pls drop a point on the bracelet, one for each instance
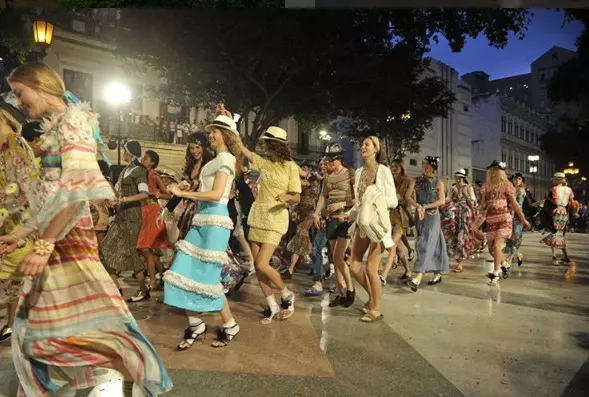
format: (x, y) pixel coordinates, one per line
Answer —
(43, 247)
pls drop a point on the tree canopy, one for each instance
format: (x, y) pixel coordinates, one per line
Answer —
(364, 65)
(172, 3)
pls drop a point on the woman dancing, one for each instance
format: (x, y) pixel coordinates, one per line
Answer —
(562, 200)
(513, 243)
(17, 170)
(119, 251)
(279, 185)
(400, 222)
(497, 192)
(193, 282)
(460, 243)
(374, 172)
(68, 329)
(432, 255)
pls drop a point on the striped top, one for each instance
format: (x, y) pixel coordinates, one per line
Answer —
(339, 187)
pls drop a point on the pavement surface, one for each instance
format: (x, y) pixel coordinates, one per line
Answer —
(527, 337)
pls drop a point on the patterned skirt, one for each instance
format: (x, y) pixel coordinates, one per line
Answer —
(560, 218)
(459, 242)
(119, 247)
(513, 243)
(301, 242)
(72, 319)
(10, 277)
(499, 222)
(194, 279)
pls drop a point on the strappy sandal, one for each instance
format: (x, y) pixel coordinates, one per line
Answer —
(366, 308)
(411, 255)
(371, 318)
(287, 306)
(224, 337)
(190, 336)
(268, 316)
(5, 333)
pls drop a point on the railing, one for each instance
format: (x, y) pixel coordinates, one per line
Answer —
(139, 131)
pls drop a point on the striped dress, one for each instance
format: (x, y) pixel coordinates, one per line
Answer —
(71, 319)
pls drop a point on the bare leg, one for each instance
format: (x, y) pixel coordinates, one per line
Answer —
(245, 247)
(359, 247)
(294, 258)
(150, 262)
(339, 253)
(267, 275)
(339, 278)
(392, 255)
(374, 259)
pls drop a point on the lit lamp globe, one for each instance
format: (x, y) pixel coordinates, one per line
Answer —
(43, 32)
(117, 94)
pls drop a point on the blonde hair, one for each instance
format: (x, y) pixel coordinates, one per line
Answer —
(7, 118)
(401, 164)
(501, 176)
(381, 153)
(234, 147)
(40, 78)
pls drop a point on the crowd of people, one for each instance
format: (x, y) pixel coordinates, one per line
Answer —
(68, 235)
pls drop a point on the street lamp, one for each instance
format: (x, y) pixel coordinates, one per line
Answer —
(533, 159)
(43, 35)
(324, 137)
(117, 95)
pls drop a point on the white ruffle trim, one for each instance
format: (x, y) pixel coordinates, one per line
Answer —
(202, 254)
(179, 281)
(212, 220)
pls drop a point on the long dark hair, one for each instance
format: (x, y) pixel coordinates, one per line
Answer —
(190, 161)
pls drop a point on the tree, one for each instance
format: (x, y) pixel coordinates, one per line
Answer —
(317, 65)
(16, 42)
(244, 4)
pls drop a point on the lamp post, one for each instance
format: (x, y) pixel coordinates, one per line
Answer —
(533, 159)
(43, 35)
(324, 137)
(571, 171)
(117, 95)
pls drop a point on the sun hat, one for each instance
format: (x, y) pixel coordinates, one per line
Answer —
(275, 134)
(224, 122)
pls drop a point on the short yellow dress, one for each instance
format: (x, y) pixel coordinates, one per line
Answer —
(17, 170)
(268, 218)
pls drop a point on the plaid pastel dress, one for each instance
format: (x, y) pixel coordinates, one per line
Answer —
(72, 319)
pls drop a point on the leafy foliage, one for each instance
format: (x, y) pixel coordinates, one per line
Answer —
(244, 4)
(363, 65)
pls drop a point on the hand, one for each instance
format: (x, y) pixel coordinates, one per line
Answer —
(33, 264)
(8, 239)
(184, 185)
(342, 218)
(175, 190)
(6, 249)
(283, 198)
(335, 206)
(420, 212)
(316, 222)
(527, 225)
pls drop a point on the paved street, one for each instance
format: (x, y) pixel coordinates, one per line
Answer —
(528, 337)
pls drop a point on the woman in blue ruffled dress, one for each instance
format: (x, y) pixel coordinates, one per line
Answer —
(193, 282)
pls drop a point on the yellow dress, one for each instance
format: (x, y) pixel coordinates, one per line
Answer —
(268, 218)
(17, 169)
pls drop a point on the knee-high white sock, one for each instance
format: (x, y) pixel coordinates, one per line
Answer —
(285, 293)
(272, 303)
(194, 321)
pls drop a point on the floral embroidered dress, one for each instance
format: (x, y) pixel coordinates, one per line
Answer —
(459, 242)
(71, 319)
(301, 242)
(498, 217)
(17, 170)
(194, 280)
(515, 241)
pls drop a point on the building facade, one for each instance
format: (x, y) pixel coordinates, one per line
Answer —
(509, 131)
(449, 137)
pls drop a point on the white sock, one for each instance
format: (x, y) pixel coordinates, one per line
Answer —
(230, 324)
(272, 303)
(496, 273)
(195, 321)
(285, 293)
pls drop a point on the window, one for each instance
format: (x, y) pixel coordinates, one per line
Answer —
(516, 130)
(536, 138)
(303, 141)
(516, 162)
(527, 134)
(510, 159)
(413, 162)
(465, 108)
(503, 156)
(542, 77)
(503, 124)
(80, 84)
(510, 128)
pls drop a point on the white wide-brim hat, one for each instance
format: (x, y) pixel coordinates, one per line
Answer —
(275, 134)
(224, 122)
(559, 175)
(461, 173)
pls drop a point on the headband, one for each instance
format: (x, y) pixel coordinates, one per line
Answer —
(433, 161)
(376, 142)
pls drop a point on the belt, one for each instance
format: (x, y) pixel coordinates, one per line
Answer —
(149, 201)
